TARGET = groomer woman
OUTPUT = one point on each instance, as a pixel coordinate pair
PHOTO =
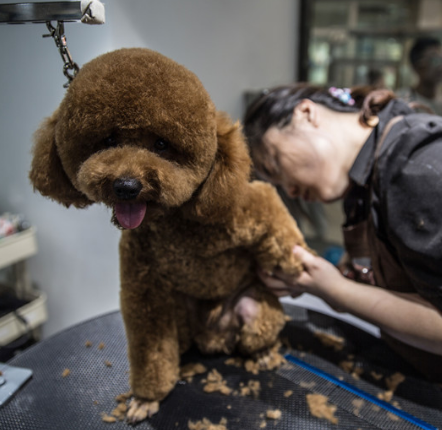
(385, 162)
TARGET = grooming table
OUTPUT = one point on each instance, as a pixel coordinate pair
(99, 372)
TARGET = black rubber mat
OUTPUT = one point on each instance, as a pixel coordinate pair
(99, 372)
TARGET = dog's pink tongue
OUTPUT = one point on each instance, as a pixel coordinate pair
(130, 215)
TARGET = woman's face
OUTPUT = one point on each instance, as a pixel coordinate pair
(303, 160)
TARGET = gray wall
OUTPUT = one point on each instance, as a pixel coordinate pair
(232, 45)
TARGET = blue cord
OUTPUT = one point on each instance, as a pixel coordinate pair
(352, 389)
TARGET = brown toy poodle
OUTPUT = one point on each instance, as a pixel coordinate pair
(139, 133)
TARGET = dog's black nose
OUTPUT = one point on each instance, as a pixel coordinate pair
(126, 188)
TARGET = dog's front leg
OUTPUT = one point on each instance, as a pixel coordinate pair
(153, 348)
(278, 232)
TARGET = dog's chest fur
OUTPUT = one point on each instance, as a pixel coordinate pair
(203, 261)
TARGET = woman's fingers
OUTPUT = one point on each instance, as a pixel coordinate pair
(283, 284)
(271, 281)
(281, 292)
(303, 280)
(307, 259)
(278, 286)
(317, 278)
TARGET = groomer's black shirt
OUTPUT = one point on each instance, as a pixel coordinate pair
(405, 198)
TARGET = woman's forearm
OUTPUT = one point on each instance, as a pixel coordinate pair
(406, 317)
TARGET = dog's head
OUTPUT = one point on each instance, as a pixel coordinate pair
(137, 131)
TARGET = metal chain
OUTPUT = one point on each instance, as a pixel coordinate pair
(70, 68)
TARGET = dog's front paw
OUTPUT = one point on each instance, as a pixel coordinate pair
(139, 410)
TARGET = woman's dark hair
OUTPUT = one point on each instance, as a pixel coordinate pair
(274, 107)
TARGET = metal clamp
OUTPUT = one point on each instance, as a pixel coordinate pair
(70, 68)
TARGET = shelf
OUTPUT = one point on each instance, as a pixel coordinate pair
(17, 247)
(34, 313)
(14, 250)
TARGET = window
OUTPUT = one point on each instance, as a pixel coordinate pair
(353, 42)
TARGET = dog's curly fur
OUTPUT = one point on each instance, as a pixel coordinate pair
(133, 116)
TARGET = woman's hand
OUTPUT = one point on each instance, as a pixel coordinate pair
(280, 284)
(318, 278)
(407, 317)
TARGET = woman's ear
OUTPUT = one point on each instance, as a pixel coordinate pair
(306, 111)
(229, 173)
(47, 174)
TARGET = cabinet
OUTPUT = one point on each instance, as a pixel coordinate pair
(14, 250)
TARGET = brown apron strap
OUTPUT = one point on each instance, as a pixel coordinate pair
(387, 271)
(357, 240)
(384, 135)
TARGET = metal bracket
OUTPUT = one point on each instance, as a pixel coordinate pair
(21, 13)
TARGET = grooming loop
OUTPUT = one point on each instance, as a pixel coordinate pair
(86, 11)
(70, 68)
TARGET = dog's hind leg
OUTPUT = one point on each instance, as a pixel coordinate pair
(249, 322)
(262, 320)
(218, 328)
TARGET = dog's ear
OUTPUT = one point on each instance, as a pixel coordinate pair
(229, 173)
(47, 174)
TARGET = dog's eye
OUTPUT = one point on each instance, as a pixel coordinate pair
(161, 145)
(111, 141)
